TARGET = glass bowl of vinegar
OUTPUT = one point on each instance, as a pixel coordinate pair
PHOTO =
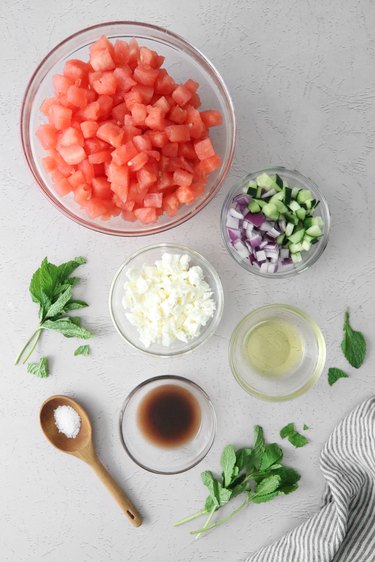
(277, 352)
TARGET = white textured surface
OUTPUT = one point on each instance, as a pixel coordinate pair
(302, 77)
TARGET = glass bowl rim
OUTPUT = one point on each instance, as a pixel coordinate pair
(316, 373)
(304, 265)
(30, 160)
(211, 409)
(219, 301)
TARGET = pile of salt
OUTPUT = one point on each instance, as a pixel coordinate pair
(67, 421)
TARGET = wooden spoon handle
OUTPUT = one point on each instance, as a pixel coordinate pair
(118, 494)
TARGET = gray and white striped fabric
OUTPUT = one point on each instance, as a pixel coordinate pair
(344, 528)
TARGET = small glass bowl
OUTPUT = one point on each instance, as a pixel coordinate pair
(162, 460)
(148, 256)
(183, 61)
(279, 387)
(294, 179)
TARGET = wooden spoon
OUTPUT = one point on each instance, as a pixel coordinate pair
(83, 448)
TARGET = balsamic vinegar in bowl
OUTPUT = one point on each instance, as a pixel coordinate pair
(167, 424)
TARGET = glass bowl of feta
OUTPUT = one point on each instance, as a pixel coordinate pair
(166, 300)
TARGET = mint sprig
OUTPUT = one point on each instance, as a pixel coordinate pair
(51, 288)
(256, 473)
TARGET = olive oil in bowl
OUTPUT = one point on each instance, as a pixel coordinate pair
(277, 352)
(274, 347)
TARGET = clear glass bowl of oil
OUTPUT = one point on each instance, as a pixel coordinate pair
(277, 352)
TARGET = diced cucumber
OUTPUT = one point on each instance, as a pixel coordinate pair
(291, 218)
(252, 191)
(289, 229)
(261, 202)
(303, 196)
(306, 245)
(308, 204)
(295, 248)
(297, 236)
(296, 257)
(281, 207)
(294, 206)
(288, 195)
(314, 231)
(253, 207)
(308, 238)
(295, 191)
(270, 210)
(252, 183)
(280, 239)
(279, 181)
(277, 197)
(312, 221)
(264, 180)
(301, 214)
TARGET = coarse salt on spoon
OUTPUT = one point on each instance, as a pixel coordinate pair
(82, 447)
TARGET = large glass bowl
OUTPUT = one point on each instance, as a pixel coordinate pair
(294, 179)
(148, 256)
(183, 61)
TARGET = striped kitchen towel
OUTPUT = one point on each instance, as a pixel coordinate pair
(344, 528)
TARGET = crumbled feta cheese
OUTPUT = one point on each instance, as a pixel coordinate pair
(168, 301)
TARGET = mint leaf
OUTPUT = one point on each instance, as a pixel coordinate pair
(244, 458)
(265, 497)
(65, 269)
(68, 328)
(58, 306)
(259, 446)
(43, 282)
(268, 485)
(272, 455)
(39, 369)
(287, 430)
(353, 344)
(75, 305)
(305, 427)
(335, 374)
(295, 438)
(219, 494)
(288, 476)
(228, 463)
(82, 350)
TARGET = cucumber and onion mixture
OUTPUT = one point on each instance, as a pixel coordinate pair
(271, 224)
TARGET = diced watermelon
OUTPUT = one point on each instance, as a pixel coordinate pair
(124, 153)
(72, 154)
(204, 149)
(182, 177)
(211, 118)
(89, 129)
(124, 137)
(111, 133)
(178, 133)
(182, 95)
(146, 75)
(121, 52)
(138, 161)
(153, 200)
(47, 135)
(146, 214)
(60, 117)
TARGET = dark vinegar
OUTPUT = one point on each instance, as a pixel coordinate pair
(169, 416)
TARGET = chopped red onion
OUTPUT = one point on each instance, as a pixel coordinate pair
(232, 222)
(257, 219)
(236, 214)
